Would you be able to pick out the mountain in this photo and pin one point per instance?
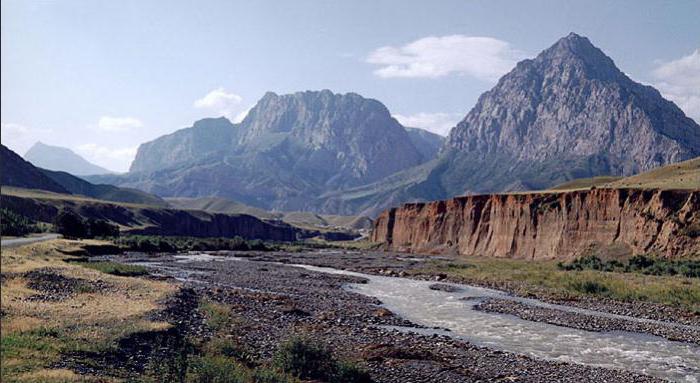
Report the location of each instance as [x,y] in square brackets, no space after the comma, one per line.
[567,114]
[17,172]
[76,185]
[427,143]
[572,103]
[287,151]
[61,159]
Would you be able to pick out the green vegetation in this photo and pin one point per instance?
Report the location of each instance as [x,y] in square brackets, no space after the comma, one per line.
[638,264]
[17,225]
[547,278]
[114,268]
[161,244]
[307,361]
[72,225]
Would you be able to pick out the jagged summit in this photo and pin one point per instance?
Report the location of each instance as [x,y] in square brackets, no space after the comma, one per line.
[572,103]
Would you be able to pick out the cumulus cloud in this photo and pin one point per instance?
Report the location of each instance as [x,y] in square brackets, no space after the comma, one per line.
[438,123]
[679,81]
[118,124]
[118,159]
[20,137]
[484,58]
[227,104]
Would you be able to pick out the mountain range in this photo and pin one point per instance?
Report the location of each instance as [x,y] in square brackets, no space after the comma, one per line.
[568,113]
[19,173]
[61,159]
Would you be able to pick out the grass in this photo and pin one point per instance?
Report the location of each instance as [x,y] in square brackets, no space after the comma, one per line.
[34,334]
[529,277]
[114,268]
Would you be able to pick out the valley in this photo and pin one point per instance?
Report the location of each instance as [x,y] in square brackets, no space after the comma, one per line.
[394,316]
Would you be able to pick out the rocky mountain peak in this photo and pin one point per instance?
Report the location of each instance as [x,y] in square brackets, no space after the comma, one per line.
[572,103]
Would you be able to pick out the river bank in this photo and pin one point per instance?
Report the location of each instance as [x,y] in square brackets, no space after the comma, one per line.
[272,301]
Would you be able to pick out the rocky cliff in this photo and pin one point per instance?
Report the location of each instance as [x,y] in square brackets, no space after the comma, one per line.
[289,150]
[547,225]
[571,101]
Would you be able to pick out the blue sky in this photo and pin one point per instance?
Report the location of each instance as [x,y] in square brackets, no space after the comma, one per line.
[101,77]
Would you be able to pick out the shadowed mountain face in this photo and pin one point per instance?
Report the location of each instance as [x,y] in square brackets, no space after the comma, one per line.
[289,150]
[61,159]
[17,172]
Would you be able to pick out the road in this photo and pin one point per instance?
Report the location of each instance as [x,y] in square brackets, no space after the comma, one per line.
[14,242]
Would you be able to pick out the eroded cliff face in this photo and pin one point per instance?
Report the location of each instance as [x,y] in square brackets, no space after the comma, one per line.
[547,225]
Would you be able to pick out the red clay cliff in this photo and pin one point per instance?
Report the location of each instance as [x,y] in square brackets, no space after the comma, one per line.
[547,225]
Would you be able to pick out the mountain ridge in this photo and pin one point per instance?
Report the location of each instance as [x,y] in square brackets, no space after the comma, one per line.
[58,158]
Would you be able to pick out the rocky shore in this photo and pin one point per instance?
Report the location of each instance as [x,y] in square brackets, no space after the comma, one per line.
[271,302]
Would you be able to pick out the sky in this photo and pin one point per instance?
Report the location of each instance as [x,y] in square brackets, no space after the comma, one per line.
[101,77]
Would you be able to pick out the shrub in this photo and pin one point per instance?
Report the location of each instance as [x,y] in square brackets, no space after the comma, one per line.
[70,225]
[589,287]
[305,360]
[15,224]
[644,264]
[216,369]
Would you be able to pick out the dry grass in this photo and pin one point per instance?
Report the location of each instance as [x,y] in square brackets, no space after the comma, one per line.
[35,333]
[544,277]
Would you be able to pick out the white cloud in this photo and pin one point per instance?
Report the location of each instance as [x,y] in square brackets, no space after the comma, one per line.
[20,138]
[118,159]
[439,123]
[227,104]
[679,80]
[118,124]
[485,58]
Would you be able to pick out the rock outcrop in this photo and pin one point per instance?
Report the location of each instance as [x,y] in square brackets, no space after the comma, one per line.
[289,150]
[547,225]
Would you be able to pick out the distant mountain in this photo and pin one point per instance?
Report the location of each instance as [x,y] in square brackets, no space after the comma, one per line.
[17,172]
[427,143]
[76,185]
[61,159]
[287,151]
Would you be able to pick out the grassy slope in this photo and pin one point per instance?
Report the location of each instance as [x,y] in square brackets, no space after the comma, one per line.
[544,278]
[683,175]
[36,332]
[307,220]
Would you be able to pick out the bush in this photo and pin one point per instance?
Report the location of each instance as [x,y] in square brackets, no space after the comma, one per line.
[643,264]
[15,224]
[160,244]
[305,360]
[216,369]
[589,287]
[70,225]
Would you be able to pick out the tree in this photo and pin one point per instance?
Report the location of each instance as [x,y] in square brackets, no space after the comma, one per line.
[70,225]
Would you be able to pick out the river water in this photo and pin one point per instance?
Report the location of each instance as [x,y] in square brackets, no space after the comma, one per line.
[416,302]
